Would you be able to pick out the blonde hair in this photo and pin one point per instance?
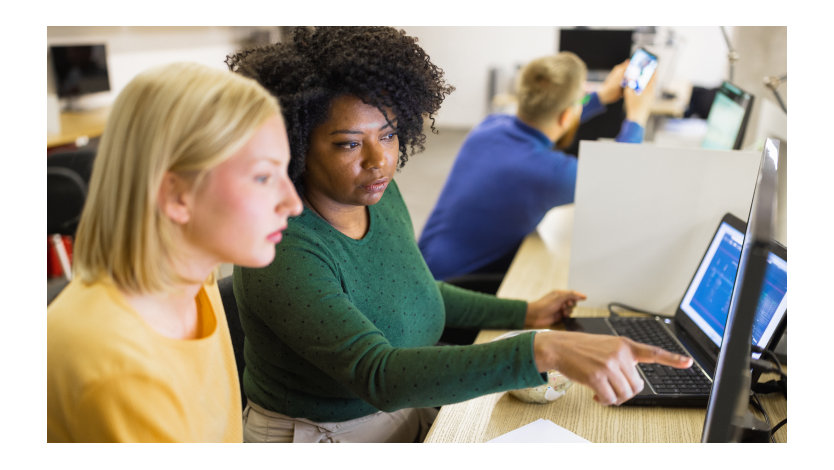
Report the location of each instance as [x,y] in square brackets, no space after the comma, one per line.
[184,118]
[549,85]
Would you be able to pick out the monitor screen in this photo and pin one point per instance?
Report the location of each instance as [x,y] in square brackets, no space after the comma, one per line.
[80,69]
[600,49]
[707,300]
[728,414]
[727,118]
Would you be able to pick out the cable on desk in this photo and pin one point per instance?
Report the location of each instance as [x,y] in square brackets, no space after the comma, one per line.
[754,400]
[757,404]
[621,306]
[769,354]
[765,367]
[778,427]
[780,385]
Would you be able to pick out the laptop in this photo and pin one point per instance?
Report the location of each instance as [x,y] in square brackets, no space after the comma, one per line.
[698,324]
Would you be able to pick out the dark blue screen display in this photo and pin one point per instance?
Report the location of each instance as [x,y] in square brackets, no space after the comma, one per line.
[711,300]
[774,290]
[712,297]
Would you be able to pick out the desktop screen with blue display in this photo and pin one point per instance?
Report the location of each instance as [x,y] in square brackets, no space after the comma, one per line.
[707,300]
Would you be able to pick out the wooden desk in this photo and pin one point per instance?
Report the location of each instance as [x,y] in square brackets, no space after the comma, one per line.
[676,105]
[78,124]
[540,265]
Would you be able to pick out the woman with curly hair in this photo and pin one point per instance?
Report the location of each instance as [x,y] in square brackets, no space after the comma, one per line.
[341,329]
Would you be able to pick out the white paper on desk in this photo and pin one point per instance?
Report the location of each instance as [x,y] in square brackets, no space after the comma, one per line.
[539,431]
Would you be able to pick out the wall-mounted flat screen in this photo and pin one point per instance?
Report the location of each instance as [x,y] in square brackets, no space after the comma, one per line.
[80,69]
[600,49]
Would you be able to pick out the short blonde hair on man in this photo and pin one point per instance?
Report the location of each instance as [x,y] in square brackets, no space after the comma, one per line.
[184,118]
[549,85]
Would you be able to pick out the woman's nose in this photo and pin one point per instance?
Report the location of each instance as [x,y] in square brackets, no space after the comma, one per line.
[289,201]
[376,156]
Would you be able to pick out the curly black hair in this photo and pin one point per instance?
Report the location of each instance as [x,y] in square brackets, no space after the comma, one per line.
[381,66]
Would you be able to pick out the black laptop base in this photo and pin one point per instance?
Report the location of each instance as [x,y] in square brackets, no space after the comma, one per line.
[662,383]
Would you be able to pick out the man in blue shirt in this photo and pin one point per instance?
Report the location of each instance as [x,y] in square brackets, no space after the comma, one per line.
[508,172]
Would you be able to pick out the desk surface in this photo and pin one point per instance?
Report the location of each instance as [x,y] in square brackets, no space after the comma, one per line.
[540,265]
[75,125]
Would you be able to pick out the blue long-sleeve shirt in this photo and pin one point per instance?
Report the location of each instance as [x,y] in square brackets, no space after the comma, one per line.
[507,175]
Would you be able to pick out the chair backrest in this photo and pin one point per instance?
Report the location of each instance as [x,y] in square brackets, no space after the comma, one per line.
[235,330]
[700,101]
[79,160]
[65,196]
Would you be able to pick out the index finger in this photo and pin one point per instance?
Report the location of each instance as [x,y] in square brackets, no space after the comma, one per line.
[576,295]
[647,353]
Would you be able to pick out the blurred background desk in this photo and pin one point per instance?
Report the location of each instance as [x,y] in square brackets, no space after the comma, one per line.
[77,125]
[541,265]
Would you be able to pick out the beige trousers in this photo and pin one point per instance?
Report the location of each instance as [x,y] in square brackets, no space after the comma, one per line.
[407,425]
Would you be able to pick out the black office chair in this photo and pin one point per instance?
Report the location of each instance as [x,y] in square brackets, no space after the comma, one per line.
[486,283]
[78,160]
[68,176]
[700,102]
[235,330]
[65,196]
[486,280]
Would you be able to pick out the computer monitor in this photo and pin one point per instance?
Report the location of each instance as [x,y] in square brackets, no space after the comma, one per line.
[600,49]
[80,69]
[727,118]
[728,413]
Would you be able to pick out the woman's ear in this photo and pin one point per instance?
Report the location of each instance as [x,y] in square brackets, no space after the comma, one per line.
[175,198]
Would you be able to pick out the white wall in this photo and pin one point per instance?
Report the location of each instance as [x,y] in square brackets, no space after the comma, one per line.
[466,55]
[695,54]
[699,54]
[762,53]
[131,50]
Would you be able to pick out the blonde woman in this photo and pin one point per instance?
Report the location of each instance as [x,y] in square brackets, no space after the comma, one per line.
[191,172]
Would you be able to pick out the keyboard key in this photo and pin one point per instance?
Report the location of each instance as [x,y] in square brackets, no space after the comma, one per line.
[663,379]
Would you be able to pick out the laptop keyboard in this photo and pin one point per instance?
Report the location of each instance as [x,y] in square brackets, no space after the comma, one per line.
[663,379]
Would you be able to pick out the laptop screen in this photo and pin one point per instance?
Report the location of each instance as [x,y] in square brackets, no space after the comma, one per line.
[707,300]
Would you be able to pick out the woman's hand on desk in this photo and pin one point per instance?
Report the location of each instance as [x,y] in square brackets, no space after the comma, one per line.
[552,308]
[606,364]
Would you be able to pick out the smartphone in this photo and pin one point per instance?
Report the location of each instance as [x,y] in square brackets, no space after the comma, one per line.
[640,69]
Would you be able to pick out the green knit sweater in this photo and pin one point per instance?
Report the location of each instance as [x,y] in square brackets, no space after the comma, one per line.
[338,328]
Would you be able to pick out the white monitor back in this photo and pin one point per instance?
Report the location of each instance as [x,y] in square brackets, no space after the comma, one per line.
[645,214]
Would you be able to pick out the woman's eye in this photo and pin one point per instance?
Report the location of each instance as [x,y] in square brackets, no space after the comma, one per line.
[389,136]
[263,179]
[347,145]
